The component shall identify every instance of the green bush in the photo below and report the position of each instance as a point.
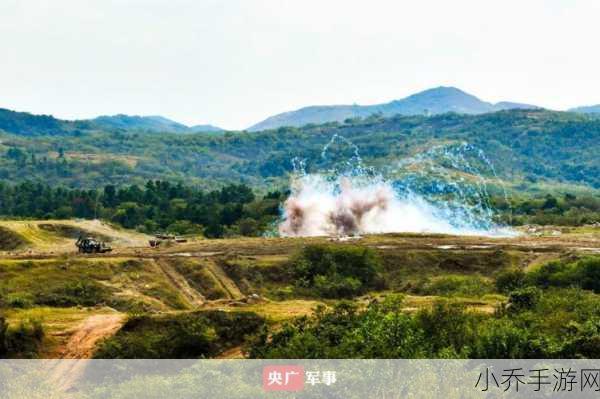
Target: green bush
(584, 273)
(510, 280)
(584, 340)
(587, 274)
(553, 274)
(336, 271)
(336, 286)
(501, 339)
(524, 298)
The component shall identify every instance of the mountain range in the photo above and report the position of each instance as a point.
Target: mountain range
(434, 101)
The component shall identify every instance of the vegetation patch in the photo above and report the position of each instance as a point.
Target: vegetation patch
(455, 285)
(584, 273)
(126, 285)
(558, 323)
(336, 271)
(179, 336)
(10, 240)
(20, 341)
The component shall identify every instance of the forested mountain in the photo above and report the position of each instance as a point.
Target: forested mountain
(26, 124)
(429, 102)
(527, 147)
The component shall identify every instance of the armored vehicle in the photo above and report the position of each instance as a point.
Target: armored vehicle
(90, 245)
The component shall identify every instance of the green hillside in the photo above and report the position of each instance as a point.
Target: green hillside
(529, 148)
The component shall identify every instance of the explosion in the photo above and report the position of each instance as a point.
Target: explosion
(427, 201)
(318, 207)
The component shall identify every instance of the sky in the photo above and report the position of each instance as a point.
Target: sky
(233, 63)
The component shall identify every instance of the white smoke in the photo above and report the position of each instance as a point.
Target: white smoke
(345, 206)
(430, 194)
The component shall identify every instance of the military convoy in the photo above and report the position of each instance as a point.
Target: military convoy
(90, 245)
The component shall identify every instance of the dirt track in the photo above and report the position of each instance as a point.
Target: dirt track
(80, 347)
(85, 337)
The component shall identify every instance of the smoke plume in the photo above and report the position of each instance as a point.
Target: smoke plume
(351, 206)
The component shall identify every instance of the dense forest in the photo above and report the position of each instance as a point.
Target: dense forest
(531, 150)
(235, 209)
(158, 206)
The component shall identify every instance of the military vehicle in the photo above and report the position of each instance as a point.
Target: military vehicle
(160, 238)
(90, 245)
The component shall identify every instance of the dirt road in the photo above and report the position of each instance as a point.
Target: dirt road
(80, 347)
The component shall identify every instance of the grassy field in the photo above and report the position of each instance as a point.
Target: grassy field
(44, 280)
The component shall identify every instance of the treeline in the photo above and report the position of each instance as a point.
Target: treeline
(159, 206)
(560, 210)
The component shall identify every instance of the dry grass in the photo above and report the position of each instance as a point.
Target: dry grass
(133, 277)
(41, 237)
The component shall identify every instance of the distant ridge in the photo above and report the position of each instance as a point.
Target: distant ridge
(206, 128)
(153, 123)
(438, 100)
(589, 109)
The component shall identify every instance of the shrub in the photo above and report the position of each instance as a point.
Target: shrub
(501, 339)
(587, 274)
(524, 298)
(510, 280)
(584, 273)
(447, 325)
(584, 341)
(553, 274)
(336, 271)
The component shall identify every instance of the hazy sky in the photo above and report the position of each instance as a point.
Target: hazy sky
(234, 62)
